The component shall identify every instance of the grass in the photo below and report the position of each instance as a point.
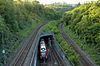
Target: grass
(89, 50)
(24, 33)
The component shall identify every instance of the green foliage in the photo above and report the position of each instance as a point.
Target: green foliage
(59, 7)
(17, 20)
(84, 21)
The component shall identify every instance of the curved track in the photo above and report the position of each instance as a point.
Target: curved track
(22, 54)
(84, 59)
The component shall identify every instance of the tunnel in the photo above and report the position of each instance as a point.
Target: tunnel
(47, 38)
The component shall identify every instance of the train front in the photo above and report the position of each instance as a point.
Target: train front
(44, 47)
(43, 50)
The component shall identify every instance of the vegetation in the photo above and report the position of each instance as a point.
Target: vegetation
(61, 8)
(69, 52)
(17, 20)
(84, 23)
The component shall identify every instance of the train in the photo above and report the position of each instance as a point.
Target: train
(44, 47)
(43, 50)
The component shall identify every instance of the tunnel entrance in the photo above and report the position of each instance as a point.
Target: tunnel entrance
(44, 46)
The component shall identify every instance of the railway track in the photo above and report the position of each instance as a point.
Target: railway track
(44, 64)
(84, 59)
(22, 54)
(47, 63)
(54, 59)
(58, 59)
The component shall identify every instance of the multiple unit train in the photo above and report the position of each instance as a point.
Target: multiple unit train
(43, 50)
(44, 46)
